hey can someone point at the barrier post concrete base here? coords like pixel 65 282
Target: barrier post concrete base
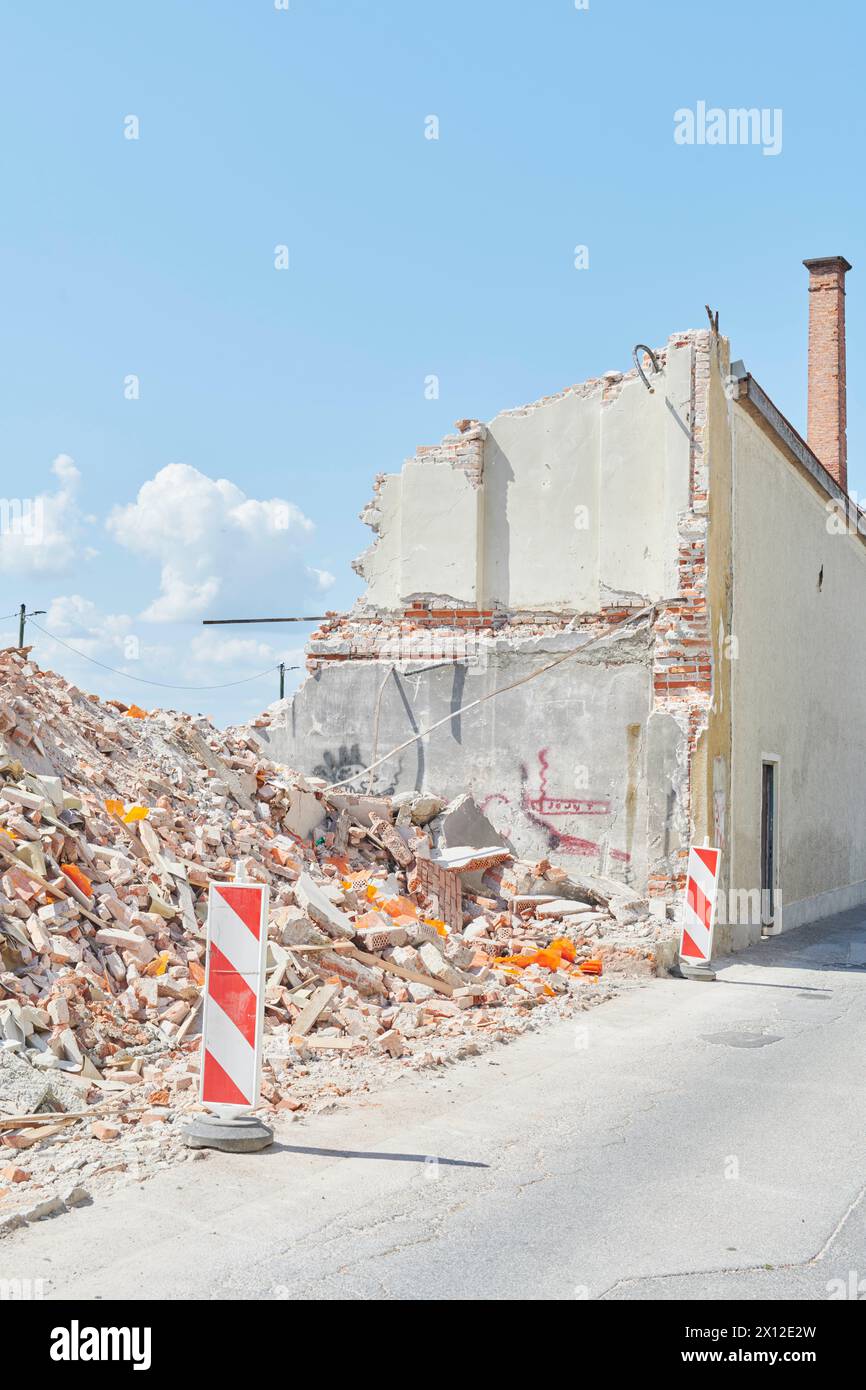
pixel 235 1134
pixel 696 972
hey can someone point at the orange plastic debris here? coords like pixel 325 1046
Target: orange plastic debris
pixel 80 879
pixel 400 907
pixel 564 947
pixel 590 967
pixel 115 808
pixel 135 712
pixel 159 964
pixel 136 813
pixel 550 959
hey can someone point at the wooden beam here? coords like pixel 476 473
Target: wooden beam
pixel 311 1011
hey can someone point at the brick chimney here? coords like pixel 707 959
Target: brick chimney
pixel 827 405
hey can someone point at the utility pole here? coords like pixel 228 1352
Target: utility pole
pixel 283 668
pixel 23 615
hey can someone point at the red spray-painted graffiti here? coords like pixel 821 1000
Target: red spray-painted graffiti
pixel 544 805
pixel 543 808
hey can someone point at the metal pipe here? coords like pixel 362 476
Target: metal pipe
pixel 642 347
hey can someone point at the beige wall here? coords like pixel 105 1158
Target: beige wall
pixel 798 682
pixel 711 761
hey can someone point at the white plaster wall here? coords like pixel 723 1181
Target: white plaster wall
pixel 428 520
pixel 632 500
pixel 577 508
pixel 538 469
pixel 625 461
pixel 798 683
pixel 380 565
pixel 439 525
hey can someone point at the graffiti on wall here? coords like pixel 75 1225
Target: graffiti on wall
pixel 338 764
pixel 556 814
pixel 546 805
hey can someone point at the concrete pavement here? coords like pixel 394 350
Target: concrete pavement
pixel 684 1141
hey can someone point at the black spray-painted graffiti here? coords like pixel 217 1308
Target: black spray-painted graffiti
pixel 348 761
pixel 336 766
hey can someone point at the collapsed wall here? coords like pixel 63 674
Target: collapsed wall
pixel 579 520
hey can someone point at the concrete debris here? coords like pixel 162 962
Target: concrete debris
pixel 304 812
pixel 386 939
pixel 321 909
pixel 462 823
pixel 469 860
pixel 77 1196
pixel 417 807
pixel 567 907
pixel 50 1206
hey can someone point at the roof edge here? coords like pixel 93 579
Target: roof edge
pixel 758 404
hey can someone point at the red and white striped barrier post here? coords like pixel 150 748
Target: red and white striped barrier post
pixel 699 911
pixel 234 1010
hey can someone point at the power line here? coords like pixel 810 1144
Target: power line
pixel 142 680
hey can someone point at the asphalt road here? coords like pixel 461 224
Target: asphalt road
pixel 684 1141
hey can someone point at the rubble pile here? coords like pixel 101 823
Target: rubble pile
pixel 390 943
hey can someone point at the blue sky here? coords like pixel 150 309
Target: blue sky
pixel 408 257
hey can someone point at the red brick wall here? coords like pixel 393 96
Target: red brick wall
pixel 827 373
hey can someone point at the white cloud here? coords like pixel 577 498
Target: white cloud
pixel 181 599
pixel 42 534
pixel 65 469
pixel 217 548
pixel 213 650
pixel 70 615
pixel 107 637
pixel 205 548
pixel 210 671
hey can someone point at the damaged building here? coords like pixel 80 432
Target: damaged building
pixel 623 614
